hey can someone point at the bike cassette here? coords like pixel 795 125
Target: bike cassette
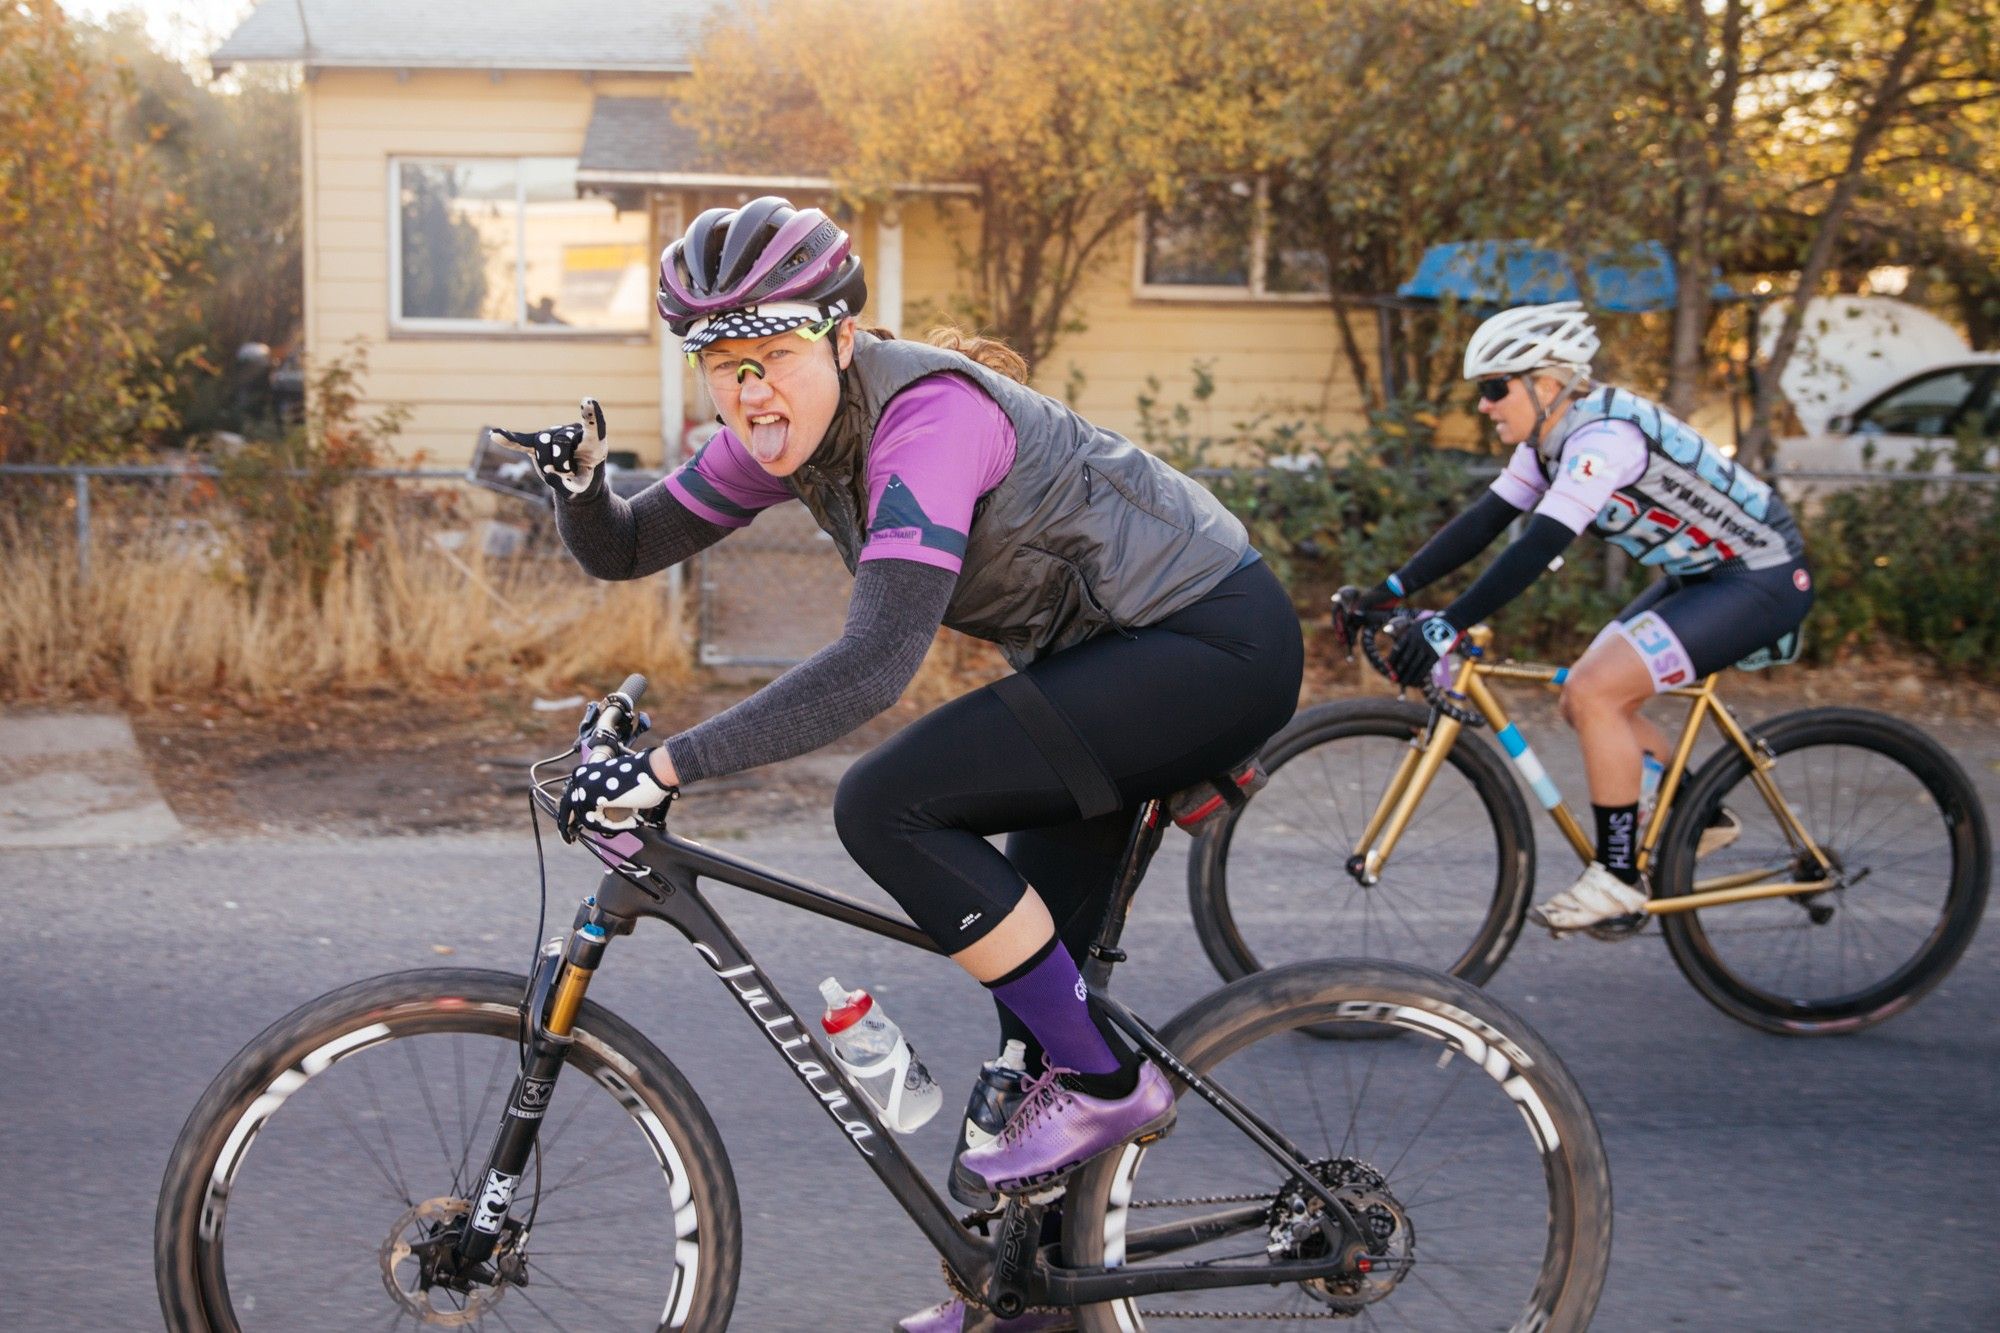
pixel 1299 1227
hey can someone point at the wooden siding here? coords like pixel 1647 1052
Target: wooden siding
pixel 1276 359
pixel 357 121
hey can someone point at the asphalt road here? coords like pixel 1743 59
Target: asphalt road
pixel 1761 1183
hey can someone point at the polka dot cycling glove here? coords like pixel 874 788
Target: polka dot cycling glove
pixel 620 783
pixel 565 455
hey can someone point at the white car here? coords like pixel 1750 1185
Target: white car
pixel 1925 411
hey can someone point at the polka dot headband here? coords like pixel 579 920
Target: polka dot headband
pixel 761 322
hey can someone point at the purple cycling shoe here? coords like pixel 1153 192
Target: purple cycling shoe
pixel 1058 1128
pixel 951 1316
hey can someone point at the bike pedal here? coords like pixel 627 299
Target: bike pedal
pixel 1618 928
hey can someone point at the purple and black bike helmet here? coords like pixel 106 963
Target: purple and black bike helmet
pixel 757 270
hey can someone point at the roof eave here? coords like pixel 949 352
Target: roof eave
pixel 221 63
pixel 726 180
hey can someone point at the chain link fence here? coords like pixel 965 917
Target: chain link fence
pixel 767 597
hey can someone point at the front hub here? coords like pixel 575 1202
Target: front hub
pixel 418 1266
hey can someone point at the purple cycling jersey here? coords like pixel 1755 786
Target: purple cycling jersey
pixel 939 446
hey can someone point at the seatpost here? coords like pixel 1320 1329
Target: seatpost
pixel 1147 830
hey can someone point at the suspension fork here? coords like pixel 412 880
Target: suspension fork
pixel 563 971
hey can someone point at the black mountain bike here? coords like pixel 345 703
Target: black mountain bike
pixel 464 1148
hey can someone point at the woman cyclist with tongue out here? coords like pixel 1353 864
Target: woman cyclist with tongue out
pixel 1153 648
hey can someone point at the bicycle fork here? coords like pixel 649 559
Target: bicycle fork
pixel 563 970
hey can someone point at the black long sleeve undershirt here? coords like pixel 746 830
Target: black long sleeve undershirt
pixel 1457 542
pixel 1512 571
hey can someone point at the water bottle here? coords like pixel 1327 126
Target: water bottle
pixel 1650 772
pixel 870 1047
pixel 1001 1085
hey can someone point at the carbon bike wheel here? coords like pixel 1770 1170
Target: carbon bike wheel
pixel 1907 834
pixel 1466 1146
pixel 1269 884
pixel 371 1109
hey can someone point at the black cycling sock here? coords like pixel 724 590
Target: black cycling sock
pixel 1616 826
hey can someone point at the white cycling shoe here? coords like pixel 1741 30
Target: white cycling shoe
pixel 1597 897
pixel 1724 829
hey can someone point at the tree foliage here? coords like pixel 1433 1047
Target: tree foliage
pixel 1751 136
pixel 94 252
pixel 233 156
pixel 1059 119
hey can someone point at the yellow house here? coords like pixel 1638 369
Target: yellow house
pixel 488 186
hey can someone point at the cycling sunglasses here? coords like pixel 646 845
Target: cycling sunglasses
pixel 1496 390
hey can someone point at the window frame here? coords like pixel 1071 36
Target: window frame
pixel 1978 394
pixel 431 326
pixel 1253 293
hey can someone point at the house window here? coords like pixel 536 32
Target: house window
pixel 504 245
pixel 1223 240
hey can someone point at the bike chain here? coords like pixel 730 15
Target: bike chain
pixel 977 1302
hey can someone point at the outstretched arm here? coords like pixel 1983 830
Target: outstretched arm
pixel 1512 571
pixel 1456 543
pixel 616 538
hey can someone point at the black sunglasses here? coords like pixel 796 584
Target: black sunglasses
pixel 1496 390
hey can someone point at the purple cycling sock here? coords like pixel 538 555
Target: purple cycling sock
pixel 1047 994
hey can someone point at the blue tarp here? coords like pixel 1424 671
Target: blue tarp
pixel 1509 273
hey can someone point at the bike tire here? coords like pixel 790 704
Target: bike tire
pixel 189 1226
pixel 1104 1197
pixel 1304 740
pixel 1964 837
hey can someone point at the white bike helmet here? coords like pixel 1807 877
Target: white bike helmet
pixel 1533 337
pixel 1556 337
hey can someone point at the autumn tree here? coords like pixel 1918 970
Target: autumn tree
pixel 233 156
pixel 91 247
pixel 1059 119
pixel 1400 124
pixel 1899 116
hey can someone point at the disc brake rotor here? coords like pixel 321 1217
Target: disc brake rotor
pixel 1299 1227
pixel 407 1276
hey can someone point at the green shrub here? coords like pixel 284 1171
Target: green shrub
pixel 1911 565
pixel 298 510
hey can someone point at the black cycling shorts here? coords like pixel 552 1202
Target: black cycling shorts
pixel 1159 708
pixel 1685 628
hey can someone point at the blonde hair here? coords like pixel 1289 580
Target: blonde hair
pixel 993 353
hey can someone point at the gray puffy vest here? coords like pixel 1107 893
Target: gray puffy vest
pixel 1086 533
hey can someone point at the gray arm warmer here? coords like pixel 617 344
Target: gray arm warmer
pixel 616 538
pixel 895 613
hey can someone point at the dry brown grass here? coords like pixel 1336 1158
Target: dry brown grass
pixel 168 614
